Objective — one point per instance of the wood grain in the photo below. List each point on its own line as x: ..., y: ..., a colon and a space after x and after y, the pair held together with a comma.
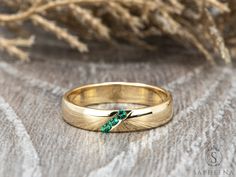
x: 35, y: 141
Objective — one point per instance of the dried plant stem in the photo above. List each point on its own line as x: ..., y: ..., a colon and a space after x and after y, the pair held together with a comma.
x: 39, y: 9
x: 216, y: 38
x: 200, y: 24
x: 13, y: 50
x: 21, y: 42
x: 173, y: 28
x: 59, y: 32
x: 20, y: 15
x: 93, y: 23
x: 125, y: 17
x: 219, y: 5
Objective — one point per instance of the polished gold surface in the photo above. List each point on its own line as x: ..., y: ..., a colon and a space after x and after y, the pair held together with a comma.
x: 157, y: 111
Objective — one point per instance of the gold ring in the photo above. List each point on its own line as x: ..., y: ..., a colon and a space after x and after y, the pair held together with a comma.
x: 156, y: 110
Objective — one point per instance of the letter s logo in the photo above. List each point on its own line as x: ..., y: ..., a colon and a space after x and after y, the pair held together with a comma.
x: 213, y: 156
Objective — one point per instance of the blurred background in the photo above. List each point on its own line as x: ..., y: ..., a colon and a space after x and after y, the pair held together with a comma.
x: 207, y: 26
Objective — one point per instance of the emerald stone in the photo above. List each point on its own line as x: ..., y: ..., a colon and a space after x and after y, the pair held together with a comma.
x: 105, y: 128
x: 122, y: 114
x: 109, y: 123
x: 114, y: 121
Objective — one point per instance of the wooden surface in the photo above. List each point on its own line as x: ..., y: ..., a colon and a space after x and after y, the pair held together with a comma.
x: 35, y: 141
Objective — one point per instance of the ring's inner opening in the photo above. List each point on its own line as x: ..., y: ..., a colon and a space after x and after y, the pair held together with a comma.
x: 117, y: 93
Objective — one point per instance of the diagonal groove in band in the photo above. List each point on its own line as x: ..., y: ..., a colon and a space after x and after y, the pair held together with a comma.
x: 120, y: 116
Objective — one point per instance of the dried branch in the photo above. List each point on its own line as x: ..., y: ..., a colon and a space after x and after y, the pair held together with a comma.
x: 207, y: 25
x: 13, y: 50
x: 92, y: 22
x: 59, y: 32
x: 21, y: 42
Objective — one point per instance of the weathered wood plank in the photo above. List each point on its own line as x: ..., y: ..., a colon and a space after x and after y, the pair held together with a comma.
x: 35, y: 141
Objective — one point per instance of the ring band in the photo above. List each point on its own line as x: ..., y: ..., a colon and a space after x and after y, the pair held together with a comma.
x: 158, y: 108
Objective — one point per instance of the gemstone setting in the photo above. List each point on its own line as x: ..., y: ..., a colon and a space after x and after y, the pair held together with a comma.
x: 121, y: 115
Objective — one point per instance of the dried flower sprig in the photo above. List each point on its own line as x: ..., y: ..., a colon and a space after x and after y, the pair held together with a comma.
x: 202, y: 24
x: 11, y: 46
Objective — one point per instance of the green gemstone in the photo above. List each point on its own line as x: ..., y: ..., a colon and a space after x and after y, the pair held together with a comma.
x: 122, y: 114
x: 105, y: 128
x: 114, y: 121
x: 102, y: 129
x: 109, y: 123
